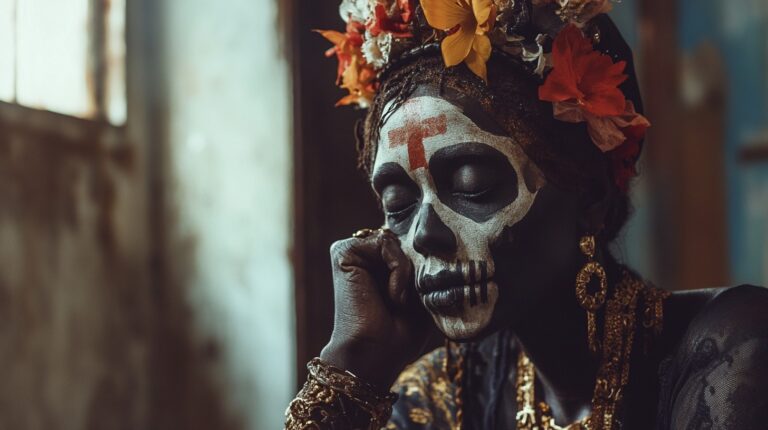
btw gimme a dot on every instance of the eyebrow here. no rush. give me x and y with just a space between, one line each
389 173
467 149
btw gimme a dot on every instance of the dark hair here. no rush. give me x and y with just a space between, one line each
563 151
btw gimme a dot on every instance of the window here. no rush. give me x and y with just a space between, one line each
65 56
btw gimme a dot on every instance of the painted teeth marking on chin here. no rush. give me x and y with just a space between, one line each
484 285
472 278
459 268
472 295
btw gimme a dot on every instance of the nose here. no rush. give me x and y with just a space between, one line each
433 237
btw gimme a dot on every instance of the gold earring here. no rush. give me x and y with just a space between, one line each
591 303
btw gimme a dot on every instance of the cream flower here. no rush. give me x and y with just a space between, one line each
376 49
357 10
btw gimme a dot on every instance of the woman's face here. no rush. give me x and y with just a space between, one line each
487 236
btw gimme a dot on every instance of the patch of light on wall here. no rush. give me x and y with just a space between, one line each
51 57
7 50
115 99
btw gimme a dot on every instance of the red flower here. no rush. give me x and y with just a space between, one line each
398 24
406 9
624 158
584 75
584 87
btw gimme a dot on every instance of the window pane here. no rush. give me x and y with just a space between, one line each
52 56
115 102
7 49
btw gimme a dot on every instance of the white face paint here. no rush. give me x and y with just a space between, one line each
462 306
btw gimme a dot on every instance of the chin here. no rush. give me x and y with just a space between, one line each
470 319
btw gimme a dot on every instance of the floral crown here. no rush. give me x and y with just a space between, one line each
554 39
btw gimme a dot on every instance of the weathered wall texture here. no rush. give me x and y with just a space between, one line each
229 192
74 302
145 280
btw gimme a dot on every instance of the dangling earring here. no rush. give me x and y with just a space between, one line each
591 303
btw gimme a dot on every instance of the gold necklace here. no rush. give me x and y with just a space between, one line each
532 416
613 373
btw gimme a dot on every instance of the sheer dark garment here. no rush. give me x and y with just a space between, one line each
708 371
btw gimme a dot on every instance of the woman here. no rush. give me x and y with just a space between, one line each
501 138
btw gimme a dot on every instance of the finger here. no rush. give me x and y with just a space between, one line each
353 253
401 271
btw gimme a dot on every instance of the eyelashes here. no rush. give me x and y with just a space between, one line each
480 195
402 214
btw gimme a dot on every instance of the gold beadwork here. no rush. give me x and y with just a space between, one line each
329 393
591 303
613 373
455 373
532 416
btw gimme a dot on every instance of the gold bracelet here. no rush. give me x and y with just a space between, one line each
334 398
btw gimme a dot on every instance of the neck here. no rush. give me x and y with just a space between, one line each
555 339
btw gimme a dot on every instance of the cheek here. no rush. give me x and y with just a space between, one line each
539 256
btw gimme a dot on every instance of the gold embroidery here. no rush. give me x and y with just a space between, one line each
427 393
420 416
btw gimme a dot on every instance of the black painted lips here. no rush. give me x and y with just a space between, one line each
444 291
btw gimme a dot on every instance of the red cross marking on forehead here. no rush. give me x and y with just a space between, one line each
414 132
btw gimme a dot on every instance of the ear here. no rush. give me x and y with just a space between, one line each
533 177
596 210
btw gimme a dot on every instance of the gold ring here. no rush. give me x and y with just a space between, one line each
363 233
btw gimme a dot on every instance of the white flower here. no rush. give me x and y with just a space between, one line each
541 59
376 49
357 10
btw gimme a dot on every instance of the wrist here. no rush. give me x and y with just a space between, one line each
371 363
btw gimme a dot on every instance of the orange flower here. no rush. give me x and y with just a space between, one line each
345 45
469 22
360 80
354 74
584 86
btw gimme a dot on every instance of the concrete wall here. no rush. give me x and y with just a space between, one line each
145 280
229 192
74 301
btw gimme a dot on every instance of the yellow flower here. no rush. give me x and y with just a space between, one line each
469 22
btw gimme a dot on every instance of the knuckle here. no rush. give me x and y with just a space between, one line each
339 247
340 252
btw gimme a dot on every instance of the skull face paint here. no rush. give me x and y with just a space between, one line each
450 189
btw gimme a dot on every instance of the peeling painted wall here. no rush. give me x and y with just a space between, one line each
74 303
145 280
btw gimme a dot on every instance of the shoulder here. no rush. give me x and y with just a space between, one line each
732 315
717 377
732 322
425 395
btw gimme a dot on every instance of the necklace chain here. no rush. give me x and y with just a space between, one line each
613 373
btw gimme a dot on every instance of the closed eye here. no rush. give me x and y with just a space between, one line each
401 214
473 196
475 179
398 201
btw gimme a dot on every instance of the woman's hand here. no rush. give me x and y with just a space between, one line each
379 325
